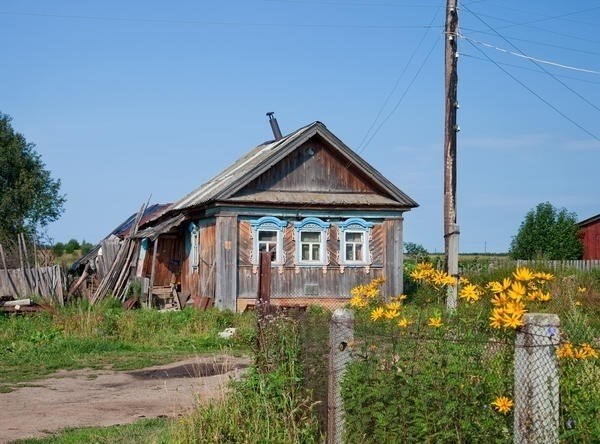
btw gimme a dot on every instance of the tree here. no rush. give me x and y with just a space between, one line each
29 197
547 233
413 249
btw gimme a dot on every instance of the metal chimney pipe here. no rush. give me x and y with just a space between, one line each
274 126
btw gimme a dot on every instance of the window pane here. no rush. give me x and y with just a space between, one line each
310 236
349 251
315 252
358 253
305 252
270 236
354 237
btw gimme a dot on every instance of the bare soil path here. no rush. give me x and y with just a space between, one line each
86 397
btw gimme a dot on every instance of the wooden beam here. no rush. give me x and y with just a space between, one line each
152 271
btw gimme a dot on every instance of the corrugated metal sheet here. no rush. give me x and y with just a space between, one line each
263 157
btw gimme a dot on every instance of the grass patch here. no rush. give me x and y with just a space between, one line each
145 431
105 336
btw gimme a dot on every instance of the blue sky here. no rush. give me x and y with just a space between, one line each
130 99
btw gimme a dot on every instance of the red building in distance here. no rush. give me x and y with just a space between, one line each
590 237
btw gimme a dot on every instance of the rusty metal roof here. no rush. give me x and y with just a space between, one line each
260 159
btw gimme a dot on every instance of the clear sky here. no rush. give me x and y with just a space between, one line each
127 99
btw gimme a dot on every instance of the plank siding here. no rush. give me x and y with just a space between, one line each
207 263
393 265
321 171
168 260
226 244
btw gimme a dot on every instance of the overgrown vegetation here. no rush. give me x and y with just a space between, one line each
421 375
270 404
79 335
148 431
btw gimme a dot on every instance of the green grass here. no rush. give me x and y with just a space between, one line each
147 431
79 336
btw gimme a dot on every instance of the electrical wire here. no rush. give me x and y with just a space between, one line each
214 23
581 127
550 45
524 56
463 54
401 97
593 105
389 96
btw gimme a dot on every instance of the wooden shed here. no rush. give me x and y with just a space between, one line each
330 220
590 237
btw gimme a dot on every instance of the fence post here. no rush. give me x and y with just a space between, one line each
341 335
536 414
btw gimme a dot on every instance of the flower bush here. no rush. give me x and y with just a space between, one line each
425 375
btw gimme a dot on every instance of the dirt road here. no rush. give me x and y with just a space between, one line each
102 397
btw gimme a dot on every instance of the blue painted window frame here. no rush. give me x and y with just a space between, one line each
312 225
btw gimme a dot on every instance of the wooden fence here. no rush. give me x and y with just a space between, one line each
584 265
45 282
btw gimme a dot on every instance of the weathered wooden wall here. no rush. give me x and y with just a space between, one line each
309 283
226 259
168 259
200 283
320 171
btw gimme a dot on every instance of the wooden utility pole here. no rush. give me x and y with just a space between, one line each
451 231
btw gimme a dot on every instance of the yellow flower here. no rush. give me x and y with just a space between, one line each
515 307
517 291
581 289
404 322
377 313
499 287
544 277
497 318
543 297
470 292
463 280
357 301
503 404
588 351
500 300
391 314
394 305
565 351
435 321
512 320
523 274
577 303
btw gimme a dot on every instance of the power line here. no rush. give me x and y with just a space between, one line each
535 62
550 45
389 96
214 23
463 54
401 97
581 127
524 56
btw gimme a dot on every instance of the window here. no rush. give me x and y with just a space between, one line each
354 242
267 233
193 247
310 246
354 236
311 241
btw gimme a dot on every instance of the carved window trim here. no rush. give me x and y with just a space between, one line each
268 223
355 225
312 225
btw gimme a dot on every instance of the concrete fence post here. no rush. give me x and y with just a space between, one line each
536 414
341 336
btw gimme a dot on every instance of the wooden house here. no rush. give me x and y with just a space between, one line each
330 220
590 237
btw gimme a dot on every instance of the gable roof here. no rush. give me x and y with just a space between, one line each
589 221
263 157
